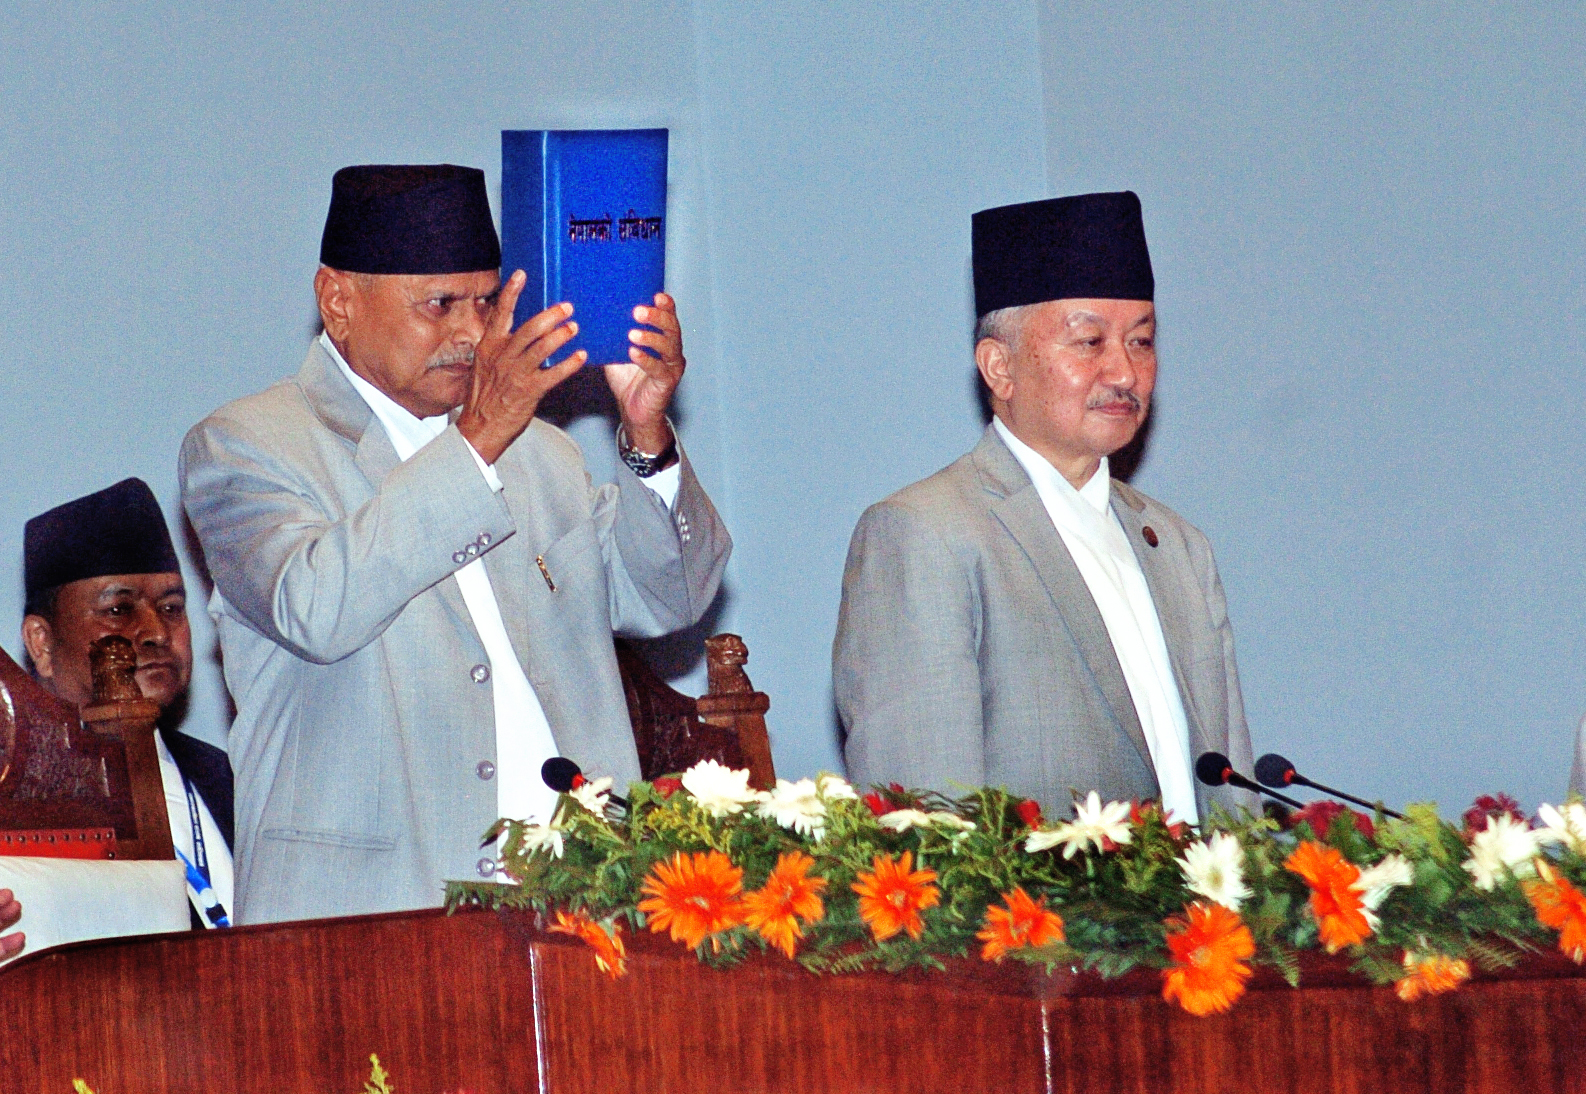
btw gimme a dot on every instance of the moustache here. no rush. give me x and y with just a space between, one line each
456 357
1112 396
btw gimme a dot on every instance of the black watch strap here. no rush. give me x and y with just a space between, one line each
643 464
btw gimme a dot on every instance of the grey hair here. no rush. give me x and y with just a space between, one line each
1004 324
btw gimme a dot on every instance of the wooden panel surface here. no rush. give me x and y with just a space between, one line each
464 1003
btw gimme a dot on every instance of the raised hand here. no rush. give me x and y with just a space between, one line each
644 388
508 382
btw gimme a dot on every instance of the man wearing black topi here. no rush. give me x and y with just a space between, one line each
1020 618
417 582
101 565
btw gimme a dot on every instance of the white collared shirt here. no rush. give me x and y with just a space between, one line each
1096 540
523 735
215 849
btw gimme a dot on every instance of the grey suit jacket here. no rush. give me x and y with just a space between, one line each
364 708
969 650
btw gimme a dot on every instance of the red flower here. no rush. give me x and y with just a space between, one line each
877 804
1139 811
1021 921
893 896
1488 806
666 786
1321 814
1029 812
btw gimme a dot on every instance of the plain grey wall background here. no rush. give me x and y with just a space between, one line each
1365 222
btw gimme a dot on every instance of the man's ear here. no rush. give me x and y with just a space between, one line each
335 292
38 638
994 360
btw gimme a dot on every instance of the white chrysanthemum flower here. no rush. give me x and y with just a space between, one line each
542 837
1505 844
593 794
1093 825
901 820
1215 869
835 788
1566 825
719 790
1376 882
797 806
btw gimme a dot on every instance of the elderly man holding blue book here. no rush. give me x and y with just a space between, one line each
416 580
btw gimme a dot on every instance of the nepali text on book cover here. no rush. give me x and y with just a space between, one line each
583 215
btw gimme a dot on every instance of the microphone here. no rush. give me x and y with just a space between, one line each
564 776
1274 770
1215 769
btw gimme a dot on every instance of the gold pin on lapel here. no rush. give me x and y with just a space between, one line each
1148 532
539 560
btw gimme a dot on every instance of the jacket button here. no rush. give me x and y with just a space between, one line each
479 673
486 769
472 550
1150 535
487 867
459 557
484 539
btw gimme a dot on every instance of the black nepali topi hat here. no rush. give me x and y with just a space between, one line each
397 219
1085 246
119 530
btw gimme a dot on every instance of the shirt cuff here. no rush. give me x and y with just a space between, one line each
489 472
666 483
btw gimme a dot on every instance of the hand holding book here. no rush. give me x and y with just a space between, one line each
510 377
643 389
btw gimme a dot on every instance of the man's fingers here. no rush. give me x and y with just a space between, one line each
507 304
664 345
550 376
664 319
10 909
11 944
536 328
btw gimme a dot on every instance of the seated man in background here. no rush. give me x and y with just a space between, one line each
102 565
418 582
1020 619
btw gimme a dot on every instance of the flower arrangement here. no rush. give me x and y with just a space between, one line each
897 878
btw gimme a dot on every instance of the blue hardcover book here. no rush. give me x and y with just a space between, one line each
583 215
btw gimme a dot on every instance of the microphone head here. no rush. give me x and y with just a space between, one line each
1274 771
560 774
1213 768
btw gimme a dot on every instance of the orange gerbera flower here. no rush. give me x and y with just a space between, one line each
1430 974
894 894
694 896
1338 907
1210 945
1560 905
1023 921
611 957
788 895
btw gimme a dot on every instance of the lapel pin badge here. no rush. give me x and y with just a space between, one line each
1150 535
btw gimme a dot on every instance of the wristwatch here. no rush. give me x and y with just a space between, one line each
643 464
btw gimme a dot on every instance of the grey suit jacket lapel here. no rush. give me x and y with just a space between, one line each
1019 508
1171 610
344 412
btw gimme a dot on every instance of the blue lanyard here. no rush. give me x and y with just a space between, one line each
198 875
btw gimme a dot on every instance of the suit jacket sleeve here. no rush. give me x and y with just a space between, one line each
320 583
905 664
663 565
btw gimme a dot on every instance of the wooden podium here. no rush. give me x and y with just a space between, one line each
481 1002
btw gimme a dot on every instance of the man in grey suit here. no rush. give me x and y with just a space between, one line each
1020 619
416 583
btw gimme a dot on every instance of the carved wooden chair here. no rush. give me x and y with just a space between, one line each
81 787
727 724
